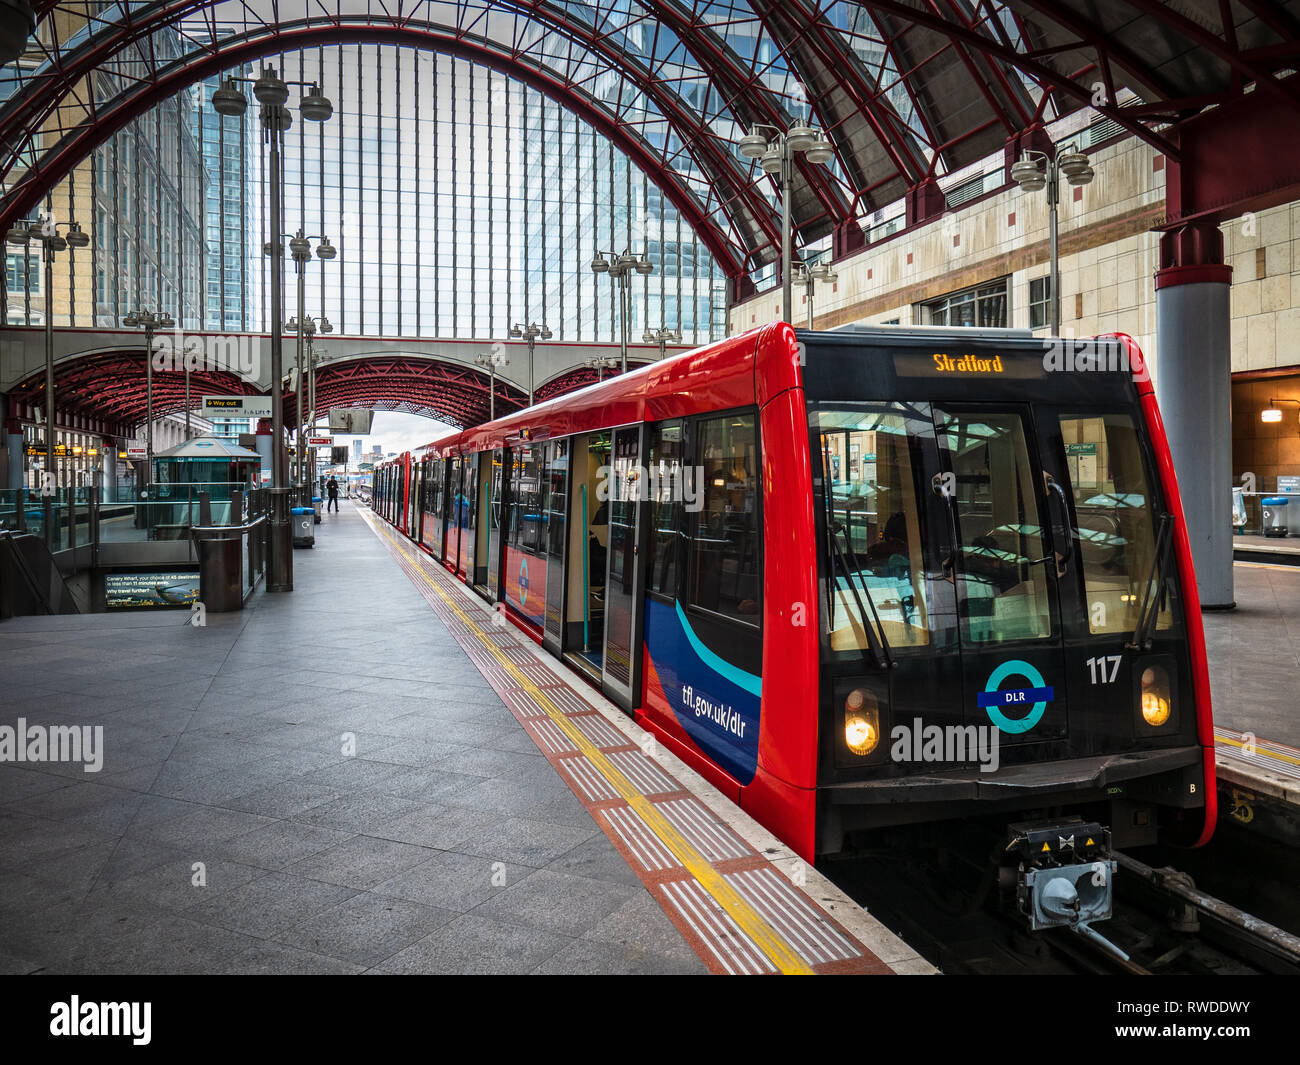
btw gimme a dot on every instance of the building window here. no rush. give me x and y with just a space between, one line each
983 305
22 271
1040 298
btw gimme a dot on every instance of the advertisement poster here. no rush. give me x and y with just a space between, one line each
155 588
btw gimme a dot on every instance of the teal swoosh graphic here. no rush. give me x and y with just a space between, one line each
738 677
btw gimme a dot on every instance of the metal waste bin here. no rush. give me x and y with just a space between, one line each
303 520
1275 516
221 579
315 505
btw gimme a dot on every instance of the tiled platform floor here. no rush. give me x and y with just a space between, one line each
1254 654
445 843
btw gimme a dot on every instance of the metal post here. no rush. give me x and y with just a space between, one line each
280 578
492 391
532 341
302 296
787 281
622 311
1053 196
187 399
808 285
48 498
148 401
311 384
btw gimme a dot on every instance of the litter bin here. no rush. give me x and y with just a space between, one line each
1275 515
303 520
221 581
315 505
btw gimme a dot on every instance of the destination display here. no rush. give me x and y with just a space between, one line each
965 364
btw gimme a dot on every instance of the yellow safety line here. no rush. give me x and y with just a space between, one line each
1260 750
765 937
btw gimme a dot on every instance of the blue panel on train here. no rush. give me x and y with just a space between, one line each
716 702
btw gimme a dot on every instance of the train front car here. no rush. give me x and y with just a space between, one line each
1009 624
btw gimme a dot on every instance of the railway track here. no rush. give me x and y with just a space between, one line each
948 908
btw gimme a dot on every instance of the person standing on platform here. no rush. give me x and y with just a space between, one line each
333 489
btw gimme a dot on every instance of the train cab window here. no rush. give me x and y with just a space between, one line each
1001 569
666 508
726 569
870 460
1114 516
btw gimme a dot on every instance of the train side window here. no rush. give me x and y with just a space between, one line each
1114 516
666 509
726 569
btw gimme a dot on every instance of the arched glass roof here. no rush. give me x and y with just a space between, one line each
907 90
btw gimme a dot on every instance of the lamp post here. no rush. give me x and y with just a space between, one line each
601 363
1035 170
45 233
621 267
150 322
809 276
325 327
662 337
776 156
492 363
304 328
300 249
530 332
272 94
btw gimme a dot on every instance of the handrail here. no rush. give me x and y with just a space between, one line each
20 564
227 529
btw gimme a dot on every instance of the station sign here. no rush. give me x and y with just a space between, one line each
134 451
320 441
237 406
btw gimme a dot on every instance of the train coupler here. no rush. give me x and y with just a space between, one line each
1065 875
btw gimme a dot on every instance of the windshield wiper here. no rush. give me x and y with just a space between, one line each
875 634
1149 612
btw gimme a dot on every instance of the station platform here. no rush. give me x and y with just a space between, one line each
368 775
1254 656
1284 550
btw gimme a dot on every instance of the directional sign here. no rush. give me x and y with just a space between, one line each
320 441
237 406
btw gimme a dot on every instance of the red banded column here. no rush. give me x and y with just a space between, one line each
1194 389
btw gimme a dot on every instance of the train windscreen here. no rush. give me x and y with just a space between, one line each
902 482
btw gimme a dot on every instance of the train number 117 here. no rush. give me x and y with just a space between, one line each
1104 668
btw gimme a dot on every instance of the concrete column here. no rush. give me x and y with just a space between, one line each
1194 389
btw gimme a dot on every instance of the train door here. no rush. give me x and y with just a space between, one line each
482 519
622 630
413 508
451 513
554 536
495 483
468 519
1010 524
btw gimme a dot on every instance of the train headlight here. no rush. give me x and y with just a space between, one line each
861 722
1156 698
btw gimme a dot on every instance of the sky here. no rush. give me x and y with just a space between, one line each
397 432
